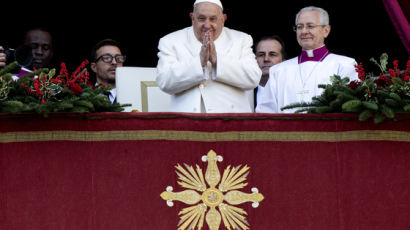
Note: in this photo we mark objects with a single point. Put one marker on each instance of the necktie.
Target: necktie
(108, 94)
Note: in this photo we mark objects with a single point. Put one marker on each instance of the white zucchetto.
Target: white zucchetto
(217, 2)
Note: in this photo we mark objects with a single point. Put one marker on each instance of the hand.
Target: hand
(208, 51)
(2, 57)
(204, 54)
(212, 51)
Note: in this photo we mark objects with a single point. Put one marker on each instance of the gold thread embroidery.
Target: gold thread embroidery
(360, 135)
(212, 198)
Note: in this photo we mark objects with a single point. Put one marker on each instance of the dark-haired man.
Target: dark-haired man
(106, 56)
(269, 51)
(41, 55)
(41, 44)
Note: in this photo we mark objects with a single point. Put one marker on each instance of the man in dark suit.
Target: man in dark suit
(106, 56)
(269, 51)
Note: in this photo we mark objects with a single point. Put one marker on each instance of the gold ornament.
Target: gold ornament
(212, 197)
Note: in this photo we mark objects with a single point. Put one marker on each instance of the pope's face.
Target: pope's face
(207, 17)
(312, 35)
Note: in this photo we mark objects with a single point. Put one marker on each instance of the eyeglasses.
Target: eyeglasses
(300, 27)
(107, 58)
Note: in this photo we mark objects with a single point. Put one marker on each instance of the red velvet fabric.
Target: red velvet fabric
(115, 184)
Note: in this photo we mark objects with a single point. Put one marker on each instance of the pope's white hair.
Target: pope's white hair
(324, 16)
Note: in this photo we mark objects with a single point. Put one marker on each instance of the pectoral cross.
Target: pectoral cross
(302, 94)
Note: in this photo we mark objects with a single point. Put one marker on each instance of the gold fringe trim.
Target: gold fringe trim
(173, 135)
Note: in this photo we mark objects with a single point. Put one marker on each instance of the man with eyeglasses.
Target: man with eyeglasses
(296, 80)
(207, 68)
(107, 56)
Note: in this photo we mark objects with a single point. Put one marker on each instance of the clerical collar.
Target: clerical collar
(313, 55)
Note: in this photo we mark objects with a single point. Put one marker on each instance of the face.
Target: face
(313, 38)
(105, 72)
(41, 45)
(207, 17)
(268, 54)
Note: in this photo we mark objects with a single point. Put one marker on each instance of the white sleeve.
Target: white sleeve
(175, 74)
(241, 72)
(347, 69)
(268, 101)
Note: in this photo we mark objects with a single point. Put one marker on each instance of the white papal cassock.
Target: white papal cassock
(297, 79)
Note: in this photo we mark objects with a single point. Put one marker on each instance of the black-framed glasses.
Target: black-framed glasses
(300, 27)
(107, 58)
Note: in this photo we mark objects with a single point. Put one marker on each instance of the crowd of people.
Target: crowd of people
(210, 68)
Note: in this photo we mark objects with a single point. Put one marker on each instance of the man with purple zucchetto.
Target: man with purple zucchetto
(296, 80)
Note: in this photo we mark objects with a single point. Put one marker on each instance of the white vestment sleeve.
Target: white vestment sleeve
(243, 73)
(173, 75)
(347, 69)
(268, 101)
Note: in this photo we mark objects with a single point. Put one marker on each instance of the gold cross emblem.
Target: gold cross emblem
(212, 197)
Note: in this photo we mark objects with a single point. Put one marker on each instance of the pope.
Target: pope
(208, 68)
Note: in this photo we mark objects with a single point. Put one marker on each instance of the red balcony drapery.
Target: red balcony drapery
(106, 171)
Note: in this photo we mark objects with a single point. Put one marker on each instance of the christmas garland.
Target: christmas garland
(42, 92)
(378, 97)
